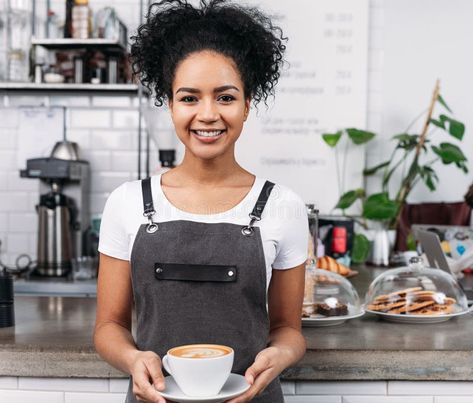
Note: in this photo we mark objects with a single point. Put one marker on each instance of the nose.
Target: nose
(208, 111)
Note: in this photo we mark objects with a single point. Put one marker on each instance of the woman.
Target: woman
(208, 64)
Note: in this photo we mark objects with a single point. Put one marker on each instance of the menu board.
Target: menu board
(322, 89)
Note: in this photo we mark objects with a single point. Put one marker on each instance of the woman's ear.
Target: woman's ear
(169, 105)
(247, 109)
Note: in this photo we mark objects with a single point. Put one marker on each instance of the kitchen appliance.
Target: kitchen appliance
(63, 207)
(7, 311)
(337, 233)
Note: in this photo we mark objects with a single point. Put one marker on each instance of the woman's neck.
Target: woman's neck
(215, 172)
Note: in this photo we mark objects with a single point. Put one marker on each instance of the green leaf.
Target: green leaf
(449, 153)
(407, 141)
(411, 243)
(372, 170)
(444, 104)
(462, 166)
(379, 207)
(360, 249)
(428, 175)
(438, 123)
(455, 128)
(402, 136)
(359, 136)
(430, 183)
(349, 198)
(332, 139)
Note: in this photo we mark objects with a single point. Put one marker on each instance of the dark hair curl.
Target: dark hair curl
(174, 29)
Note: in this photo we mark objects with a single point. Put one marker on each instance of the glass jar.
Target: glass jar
(17, 40)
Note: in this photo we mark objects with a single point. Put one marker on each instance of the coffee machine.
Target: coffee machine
(63, 208)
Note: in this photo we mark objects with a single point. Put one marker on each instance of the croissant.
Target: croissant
(330, 264)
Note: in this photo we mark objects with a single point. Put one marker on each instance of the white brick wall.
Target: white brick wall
(82, 390)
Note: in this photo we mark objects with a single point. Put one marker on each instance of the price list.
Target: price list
(322, 88)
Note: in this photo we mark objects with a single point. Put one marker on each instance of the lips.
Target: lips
(208, 136)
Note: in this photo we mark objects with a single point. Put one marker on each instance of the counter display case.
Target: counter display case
(416, 294)
(330, 299)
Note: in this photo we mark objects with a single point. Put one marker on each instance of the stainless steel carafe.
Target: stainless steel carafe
(54, 234)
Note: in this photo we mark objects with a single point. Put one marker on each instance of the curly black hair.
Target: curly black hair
(174, 29)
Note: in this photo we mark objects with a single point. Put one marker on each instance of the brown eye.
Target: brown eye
(226, 98)
(188, 99)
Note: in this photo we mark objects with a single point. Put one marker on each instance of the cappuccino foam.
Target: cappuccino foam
(201, 351)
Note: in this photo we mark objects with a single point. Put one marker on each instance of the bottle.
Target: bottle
(81, 19)
(68, 22)
(7, 311)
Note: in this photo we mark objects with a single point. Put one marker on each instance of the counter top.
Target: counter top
(53, 338)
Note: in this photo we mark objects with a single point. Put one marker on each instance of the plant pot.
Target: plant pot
(382, 245)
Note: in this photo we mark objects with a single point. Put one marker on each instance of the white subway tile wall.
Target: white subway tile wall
(431, 388)
(341, 388)
(453, 399)
(8, 382)
(94, 398)
(89, 390)
(387, 399)
(312, 399)
(118, 385)
(20, 396)
(64, 384)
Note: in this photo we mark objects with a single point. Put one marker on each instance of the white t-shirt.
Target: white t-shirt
(283, 226)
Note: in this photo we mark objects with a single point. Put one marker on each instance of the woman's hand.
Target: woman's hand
(147, 377)
(269, 363)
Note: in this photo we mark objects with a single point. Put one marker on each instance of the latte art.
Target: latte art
(200, 351)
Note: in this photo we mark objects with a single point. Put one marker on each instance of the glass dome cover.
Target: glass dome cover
(329, 294)
(417, 291)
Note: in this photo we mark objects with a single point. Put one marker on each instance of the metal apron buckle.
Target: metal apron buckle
(248, 230)
(152, 227)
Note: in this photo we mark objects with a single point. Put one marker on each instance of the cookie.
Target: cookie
(435, 310)
(411, 307)
(405, 291)
(386, 307)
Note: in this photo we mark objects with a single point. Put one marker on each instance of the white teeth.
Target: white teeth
(208, 134)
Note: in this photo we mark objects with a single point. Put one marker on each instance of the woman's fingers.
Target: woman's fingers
(260, 383)
(154, 368)
(148, 378)
(262, 362)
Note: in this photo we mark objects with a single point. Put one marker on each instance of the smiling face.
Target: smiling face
(208, 107)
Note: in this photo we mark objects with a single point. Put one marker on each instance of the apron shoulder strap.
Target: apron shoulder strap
(148, 207)
(262, 199)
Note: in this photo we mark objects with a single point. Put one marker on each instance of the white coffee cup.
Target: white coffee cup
(199, 369)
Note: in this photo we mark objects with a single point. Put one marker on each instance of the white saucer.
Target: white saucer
(321, 321)
(236, 385)
(400, 318)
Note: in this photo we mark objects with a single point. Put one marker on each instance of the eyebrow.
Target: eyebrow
(218, 89)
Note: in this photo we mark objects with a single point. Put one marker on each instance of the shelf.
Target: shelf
(131, 89)
(71, 43)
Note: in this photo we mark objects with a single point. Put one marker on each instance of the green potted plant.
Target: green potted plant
(409, 158)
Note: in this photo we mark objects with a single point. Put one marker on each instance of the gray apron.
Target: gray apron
(202, 283)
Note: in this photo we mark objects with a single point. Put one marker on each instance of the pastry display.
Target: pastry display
(413, 301)
(330, 264)
(333, 299)
(416, 294)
